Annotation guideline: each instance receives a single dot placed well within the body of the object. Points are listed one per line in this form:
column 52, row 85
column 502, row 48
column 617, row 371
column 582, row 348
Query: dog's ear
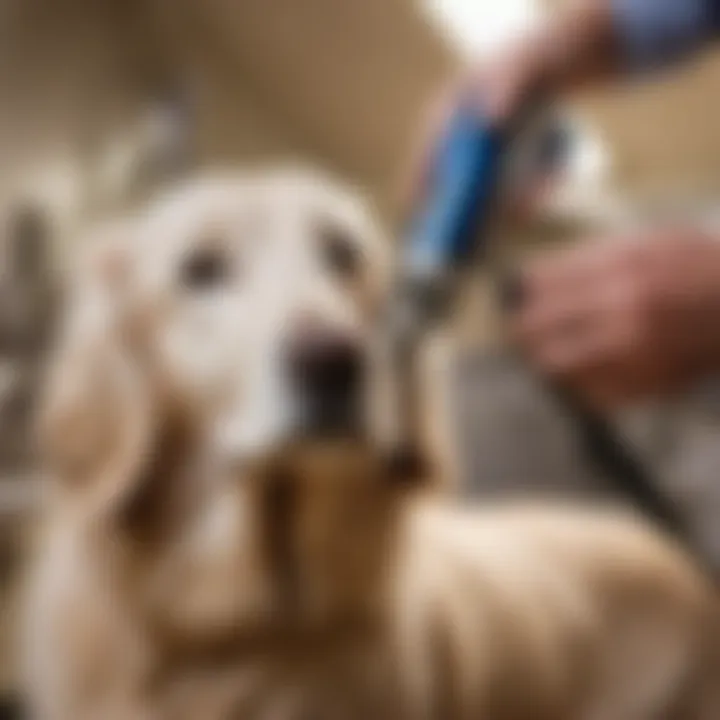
column 97, row 421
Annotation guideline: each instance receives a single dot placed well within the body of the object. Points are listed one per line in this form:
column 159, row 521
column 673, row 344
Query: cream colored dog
column 225, row 539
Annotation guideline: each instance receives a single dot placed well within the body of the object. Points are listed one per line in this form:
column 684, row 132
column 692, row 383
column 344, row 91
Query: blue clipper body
column 452, row 229
column 449, row 231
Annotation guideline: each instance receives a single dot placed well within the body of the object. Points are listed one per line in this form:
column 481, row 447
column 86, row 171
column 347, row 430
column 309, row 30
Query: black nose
column 325, row 369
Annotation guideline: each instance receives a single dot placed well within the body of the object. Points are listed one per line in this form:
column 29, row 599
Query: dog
column 226, row 538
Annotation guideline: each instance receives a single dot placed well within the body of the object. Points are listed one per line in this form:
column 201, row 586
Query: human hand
column 574, row 47
column 623, row 319
column 497, row 90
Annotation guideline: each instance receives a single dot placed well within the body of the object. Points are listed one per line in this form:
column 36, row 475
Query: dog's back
column 557, row 613
column 500, row 614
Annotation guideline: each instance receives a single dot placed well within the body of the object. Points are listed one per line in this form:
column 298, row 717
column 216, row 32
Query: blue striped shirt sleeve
column 656, row 33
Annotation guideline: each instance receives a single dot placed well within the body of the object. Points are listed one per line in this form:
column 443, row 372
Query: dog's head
column 252, row 302
column 215, row 394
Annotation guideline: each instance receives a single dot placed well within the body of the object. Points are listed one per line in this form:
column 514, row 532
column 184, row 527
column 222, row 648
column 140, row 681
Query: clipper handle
column 473, row 164
column 446, row 232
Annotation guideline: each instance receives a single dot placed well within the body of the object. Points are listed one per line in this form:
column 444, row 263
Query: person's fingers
column 610, row 361
column 555, row 310
column 494, row 90
column 571, row 268
column 591, row 375
column 570, row 350
column 583, row 331
column 576, row 286
column 621, row 321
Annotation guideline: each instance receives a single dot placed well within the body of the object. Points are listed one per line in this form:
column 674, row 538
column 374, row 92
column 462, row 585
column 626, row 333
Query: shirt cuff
column 655, row 33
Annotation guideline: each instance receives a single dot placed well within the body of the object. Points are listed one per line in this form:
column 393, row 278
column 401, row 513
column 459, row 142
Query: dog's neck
column 296, row 550
column 326, row 531
column 289, row 565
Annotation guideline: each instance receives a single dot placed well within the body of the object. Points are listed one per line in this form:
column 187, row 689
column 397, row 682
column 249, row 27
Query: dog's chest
column 337, row 685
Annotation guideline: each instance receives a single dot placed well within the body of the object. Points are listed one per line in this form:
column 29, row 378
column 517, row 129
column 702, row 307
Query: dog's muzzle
column 325, row 368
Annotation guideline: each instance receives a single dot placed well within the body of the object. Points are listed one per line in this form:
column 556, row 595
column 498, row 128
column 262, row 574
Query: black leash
column 606, row 450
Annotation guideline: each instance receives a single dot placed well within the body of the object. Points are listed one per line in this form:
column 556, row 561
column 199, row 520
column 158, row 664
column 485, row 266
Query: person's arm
column 588, row 42
column 656, row 33
column 596, row 40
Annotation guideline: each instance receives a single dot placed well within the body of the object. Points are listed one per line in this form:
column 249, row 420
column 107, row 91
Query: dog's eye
column 340, row 254
column 205, row 270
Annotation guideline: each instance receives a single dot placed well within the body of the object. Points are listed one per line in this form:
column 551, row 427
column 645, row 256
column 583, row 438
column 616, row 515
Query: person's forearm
column 578, row 46
column 598, row 39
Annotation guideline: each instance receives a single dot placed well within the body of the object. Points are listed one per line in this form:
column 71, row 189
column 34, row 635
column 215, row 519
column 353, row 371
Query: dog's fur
column 199, row 563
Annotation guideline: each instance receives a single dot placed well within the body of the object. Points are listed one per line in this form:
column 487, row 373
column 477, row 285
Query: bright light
column 477, row 26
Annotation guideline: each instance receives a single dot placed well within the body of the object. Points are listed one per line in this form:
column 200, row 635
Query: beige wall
column 344, row 82
column 76, row 76
column 663, row 131
column 68, row 79
column 338, row 81
column 341, row 83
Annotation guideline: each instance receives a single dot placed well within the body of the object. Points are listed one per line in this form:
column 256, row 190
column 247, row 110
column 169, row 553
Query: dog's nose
column 324, row 361
column 325, row 369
